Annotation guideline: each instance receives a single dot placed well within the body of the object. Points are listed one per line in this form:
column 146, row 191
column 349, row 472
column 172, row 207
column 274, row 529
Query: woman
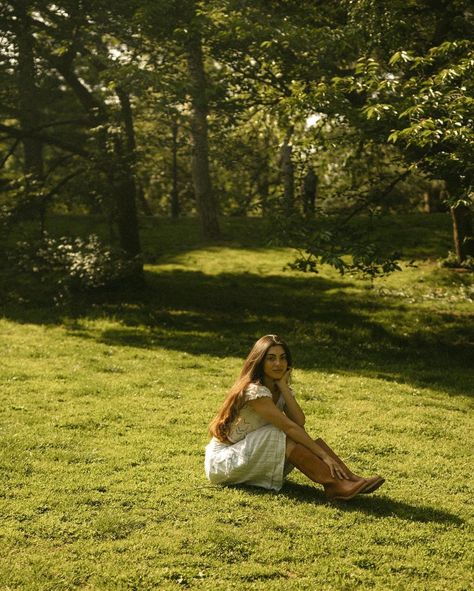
column 259, row 435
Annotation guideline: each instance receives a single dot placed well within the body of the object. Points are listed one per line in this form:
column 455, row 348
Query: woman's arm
column 266, row 408
column 292, row 409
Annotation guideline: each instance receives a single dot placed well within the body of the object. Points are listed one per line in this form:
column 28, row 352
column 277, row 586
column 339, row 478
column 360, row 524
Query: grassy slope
column 104, row 407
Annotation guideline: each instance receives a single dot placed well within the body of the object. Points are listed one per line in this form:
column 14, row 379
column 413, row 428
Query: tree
column 205, row 198
column 181, row 28
column 59, row 38
column 29, row 114
column 115, row 142
column 429, row 106
column 416, row 87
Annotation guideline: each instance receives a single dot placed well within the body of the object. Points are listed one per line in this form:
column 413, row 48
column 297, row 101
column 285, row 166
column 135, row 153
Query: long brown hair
column 252, row 372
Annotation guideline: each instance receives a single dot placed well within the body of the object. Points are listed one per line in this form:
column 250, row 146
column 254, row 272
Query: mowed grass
column 105, row 404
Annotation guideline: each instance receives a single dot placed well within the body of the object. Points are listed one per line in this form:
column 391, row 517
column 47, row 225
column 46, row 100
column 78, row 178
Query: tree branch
column 10, row 152
column 19, row 134
column 63, row 181
column 368, row 202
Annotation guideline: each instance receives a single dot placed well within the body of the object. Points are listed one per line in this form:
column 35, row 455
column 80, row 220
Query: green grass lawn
column 105, row 402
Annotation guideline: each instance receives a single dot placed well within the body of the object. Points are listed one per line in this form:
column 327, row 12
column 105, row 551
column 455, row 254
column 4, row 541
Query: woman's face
column 275, row 363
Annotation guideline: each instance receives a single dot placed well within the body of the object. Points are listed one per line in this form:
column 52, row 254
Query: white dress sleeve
column 254, row 391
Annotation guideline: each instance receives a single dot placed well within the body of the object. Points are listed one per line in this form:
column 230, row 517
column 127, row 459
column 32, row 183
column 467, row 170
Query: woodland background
column 306, row 114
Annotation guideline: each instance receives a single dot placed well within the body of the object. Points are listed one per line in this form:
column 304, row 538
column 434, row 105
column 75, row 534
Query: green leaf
column 393, row 137
column 403, row 56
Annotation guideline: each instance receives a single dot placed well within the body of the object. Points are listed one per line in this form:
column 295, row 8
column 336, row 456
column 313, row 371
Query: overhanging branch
column 20, row 134
column 9, row 153
column 368, row 202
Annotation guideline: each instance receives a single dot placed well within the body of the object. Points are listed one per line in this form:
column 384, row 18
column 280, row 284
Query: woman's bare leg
column 290, row 446
column 373, row 482
column 318, row 471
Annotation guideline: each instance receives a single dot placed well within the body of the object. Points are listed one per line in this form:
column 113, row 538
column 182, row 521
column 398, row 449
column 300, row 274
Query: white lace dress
column 256, row 455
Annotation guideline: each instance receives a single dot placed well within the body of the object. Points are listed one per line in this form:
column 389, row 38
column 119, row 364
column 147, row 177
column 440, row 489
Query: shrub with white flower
column 75, row 264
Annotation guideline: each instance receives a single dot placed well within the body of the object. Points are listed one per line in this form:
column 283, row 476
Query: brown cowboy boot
column 318, row 471
column 372, row 483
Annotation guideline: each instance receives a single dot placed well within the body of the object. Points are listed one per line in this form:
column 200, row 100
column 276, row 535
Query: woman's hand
column 284, row 380
column 336, row 470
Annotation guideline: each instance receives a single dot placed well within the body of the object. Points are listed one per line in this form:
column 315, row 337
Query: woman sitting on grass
column 259, row 435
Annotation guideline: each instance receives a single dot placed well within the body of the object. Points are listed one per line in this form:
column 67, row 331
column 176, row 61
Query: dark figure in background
column 310, row 191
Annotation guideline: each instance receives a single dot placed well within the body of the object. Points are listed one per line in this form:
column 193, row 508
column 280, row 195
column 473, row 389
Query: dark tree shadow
column 328, row 327
column 376, row 505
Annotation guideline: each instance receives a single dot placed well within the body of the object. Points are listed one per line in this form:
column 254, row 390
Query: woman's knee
column 290, row 445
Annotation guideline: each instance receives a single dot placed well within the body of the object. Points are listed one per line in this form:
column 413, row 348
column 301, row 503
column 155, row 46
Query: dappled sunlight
column 329, row 326
column 216, row 300
column 218, row 260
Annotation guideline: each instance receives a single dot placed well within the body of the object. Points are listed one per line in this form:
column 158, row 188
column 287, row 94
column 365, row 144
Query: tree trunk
column 205, row 198
column 127, row 118
column 116, row 164
column 263, row 187
column 175, row 208
column 288, row 174
column 462, row 232
column 124, row 181
column 28, row 110
column 263, row 176
column 125, row 190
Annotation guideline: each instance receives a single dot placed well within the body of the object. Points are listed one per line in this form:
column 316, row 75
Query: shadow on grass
column 330, row 327
column 378, row 506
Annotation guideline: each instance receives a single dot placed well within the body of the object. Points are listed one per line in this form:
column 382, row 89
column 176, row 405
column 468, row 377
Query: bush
column 74, row 264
